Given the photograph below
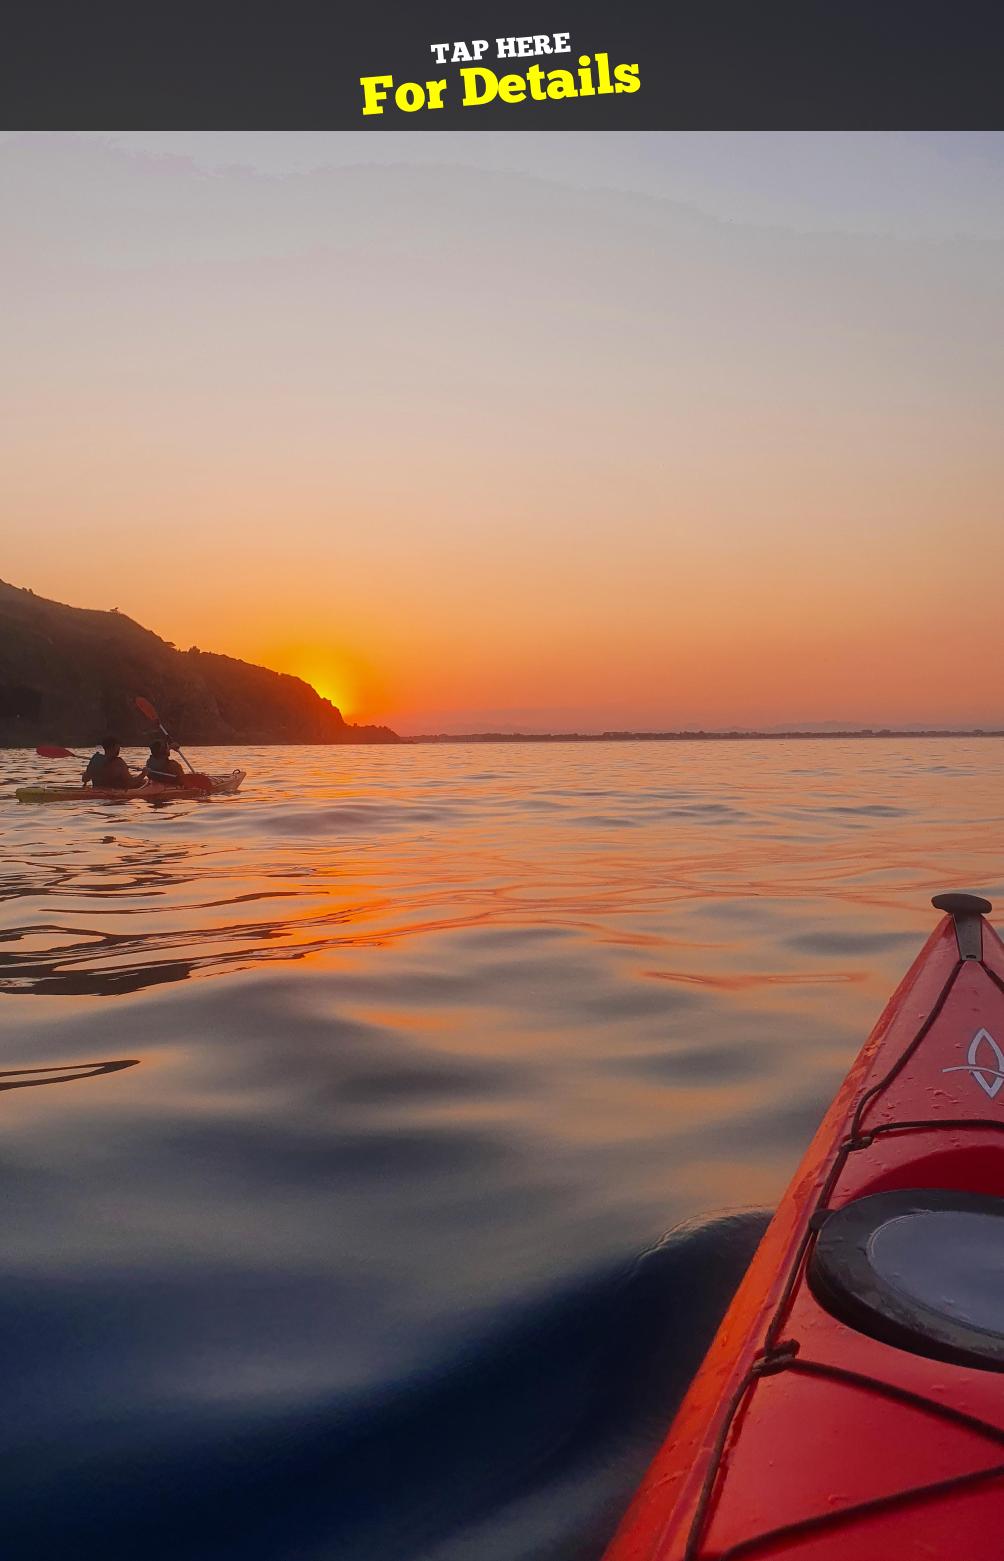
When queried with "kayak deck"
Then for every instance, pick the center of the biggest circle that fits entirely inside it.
(828, 1424)
(153, 791)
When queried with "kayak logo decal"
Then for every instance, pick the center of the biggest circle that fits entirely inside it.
(987, 1076)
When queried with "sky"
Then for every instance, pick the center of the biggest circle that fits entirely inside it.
(522, 431)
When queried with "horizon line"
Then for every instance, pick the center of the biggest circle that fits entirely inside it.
(732, 734)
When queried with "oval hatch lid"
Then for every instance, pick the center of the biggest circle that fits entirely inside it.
(922, 1269)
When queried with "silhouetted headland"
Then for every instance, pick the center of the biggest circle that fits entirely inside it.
(67, 674)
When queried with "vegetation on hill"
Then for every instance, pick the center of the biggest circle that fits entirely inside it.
(69, 674)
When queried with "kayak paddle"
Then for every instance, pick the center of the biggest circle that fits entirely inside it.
(146, 708)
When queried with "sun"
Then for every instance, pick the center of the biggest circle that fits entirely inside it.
(330, 685)
(334, 672)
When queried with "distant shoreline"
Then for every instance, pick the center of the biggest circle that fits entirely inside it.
(572, 737)
(578, 737)
(689, 737)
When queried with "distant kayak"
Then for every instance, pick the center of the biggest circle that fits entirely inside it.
(194, 786)
(852, 1403)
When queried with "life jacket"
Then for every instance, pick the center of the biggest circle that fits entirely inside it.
(163, 768)
(99, 766)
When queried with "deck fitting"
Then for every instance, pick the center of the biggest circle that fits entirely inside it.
(967, 911)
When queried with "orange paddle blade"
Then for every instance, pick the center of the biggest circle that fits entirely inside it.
(146, 708)
(49, 751)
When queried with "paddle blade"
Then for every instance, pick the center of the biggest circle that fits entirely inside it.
(197, 782)
(146, 708)
(48, 751)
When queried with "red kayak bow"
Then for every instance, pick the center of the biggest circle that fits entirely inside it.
(852, 1403)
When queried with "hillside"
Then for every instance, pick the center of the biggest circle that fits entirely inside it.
(68, 674)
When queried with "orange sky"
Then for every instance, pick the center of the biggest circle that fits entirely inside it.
(674, 431)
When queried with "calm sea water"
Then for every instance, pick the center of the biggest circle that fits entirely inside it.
(381, 1146)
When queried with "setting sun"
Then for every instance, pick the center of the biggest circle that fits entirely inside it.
(330, 671)
(330, 680)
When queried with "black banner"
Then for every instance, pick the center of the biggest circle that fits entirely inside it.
(546, 65)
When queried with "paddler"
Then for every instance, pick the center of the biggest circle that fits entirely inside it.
(108, 769)
(160, 766)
